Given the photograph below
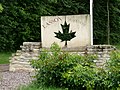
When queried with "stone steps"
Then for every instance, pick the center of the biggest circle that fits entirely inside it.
(20, 59)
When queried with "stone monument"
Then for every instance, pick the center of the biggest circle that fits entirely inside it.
(71, 31)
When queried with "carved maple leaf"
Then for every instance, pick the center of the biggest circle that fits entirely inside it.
(65, 35)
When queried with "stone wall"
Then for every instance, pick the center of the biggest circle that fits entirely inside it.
(20, 60)
(102, 51)
(31, 50)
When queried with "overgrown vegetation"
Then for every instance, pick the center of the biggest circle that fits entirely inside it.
(75, 72)
(20, 20)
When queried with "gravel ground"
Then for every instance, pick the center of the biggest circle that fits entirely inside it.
(12, 80)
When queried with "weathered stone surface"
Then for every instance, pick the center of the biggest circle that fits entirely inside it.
(78, 23)
(36, 50)
(18, 51)
(31, 43)
(20, 60)
(18, 54)
(35, 58)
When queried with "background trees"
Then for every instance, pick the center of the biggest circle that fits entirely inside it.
(20, 19)
(100, 21)
(1, 8)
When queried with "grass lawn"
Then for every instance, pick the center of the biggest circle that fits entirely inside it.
(4, 57)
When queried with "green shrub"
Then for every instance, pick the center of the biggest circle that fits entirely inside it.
(60, 68)
(109, 77)
(75, 72)
(33, 86)
(113, 68)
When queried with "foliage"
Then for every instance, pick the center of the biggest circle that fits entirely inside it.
(100, 21)
(20, 20)
(113, 68)
(76, 72)
(109, 77)
(1, 8)
(32, 86)
(17, 25)
(63, 69)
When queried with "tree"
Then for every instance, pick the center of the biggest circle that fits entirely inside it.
(66, 35)
(1, 8)
(106, 21)
(20, 19)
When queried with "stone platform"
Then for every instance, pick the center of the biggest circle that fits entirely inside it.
(31, 50)
(20, 59)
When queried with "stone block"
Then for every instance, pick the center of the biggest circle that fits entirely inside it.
(18, 54)
(23, 49)
(18, 51)
(26, 54)
(36, 50)
(13, 54)
(106, 55)
(22, 57)
(31, 43)
(37, 47)
(35, 58)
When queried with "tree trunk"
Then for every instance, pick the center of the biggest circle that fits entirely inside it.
(65, 43)
(108, 23)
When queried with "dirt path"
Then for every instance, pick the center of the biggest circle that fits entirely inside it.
(4, 67)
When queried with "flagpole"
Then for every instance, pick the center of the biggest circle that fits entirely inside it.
(91, 20)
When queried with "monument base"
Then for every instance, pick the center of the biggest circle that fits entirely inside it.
(20, 59)
(31, 50)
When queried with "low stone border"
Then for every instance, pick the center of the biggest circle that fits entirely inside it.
(31, 50)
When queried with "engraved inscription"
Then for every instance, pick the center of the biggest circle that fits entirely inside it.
(51, 22)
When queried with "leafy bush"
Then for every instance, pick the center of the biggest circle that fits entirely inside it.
(60, 68)
(75, 72)
(33, 86)
(113, 68)
(109, 76)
